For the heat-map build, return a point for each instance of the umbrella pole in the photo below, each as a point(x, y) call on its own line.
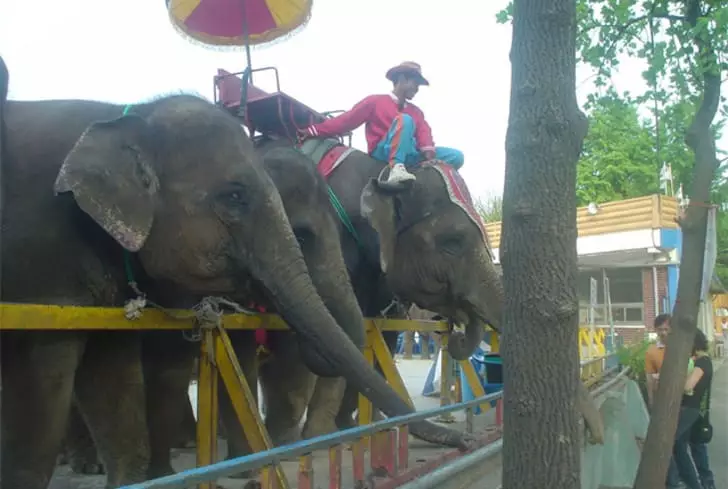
point(246, 39)
point(248, 73)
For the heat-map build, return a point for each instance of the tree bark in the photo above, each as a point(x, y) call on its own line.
point(661, 431)
point(538, 251)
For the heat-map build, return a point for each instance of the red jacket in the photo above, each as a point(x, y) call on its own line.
point(377, 112)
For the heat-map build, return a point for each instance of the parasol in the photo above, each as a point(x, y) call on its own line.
point(238, 22)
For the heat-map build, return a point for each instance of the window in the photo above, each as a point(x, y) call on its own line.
point(625, 290)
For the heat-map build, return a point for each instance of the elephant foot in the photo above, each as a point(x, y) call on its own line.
point(84, 467)
point(345, 422)
point(185, 444)
point(314, 428)
point(246, 474)
point(160, 470)
point(84, 462)
point(62, 459)
point(285, 436)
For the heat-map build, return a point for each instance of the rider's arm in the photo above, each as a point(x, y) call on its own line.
point(423, 134)
point(346, 122)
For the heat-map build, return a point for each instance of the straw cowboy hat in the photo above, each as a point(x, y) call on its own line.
point(407, 67)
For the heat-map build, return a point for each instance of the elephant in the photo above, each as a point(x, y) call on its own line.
point(306, 203)
point(416, 245)
point(168, 194)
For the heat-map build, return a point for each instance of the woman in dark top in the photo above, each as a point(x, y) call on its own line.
point(690, 460)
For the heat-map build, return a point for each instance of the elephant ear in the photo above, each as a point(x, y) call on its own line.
point(110, 173)
point(377, 207)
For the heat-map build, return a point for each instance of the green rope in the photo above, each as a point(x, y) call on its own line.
point(343, 216)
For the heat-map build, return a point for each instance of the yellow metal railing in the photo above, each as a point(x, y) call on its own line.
point(218, 359)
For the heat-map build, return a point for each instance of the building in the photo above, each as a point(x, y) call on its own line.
point(635, 244)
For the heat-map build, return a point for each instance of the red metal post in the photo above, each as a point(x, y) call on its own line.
point(499, 412)
point(403, 448)
point(357, 456)
point(335, 467)
point(305, 472)
point(390, 452)
point(376, 457)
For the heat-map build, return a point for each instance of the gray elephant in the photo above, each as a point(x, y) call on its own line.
point(177, 184)
point(417, 245)
point(306, 202)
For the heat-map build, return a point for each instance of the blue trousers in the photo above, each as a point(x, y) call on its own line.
point(699, 451)
point(682, 465)
point(400, 146)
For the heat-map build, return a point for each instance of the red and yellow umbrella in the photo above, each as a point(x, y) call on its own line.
point(238, 22)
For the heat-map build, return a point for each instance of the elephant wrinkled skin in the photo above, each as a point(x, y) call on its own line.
point(178, 184)
point(418, 246)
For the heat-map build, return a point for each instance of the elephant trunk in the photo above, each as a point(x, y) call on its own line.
point(462, 345)
point(281, 268)
point(331, 279)
point(484, 304)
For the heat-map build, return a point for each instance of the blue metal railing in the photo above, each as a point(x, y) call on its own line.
point(274, 456)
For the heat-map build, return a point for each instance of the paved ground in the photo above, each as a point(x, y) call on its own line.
point(414, 373)
point(486, 476)
point(718, 448)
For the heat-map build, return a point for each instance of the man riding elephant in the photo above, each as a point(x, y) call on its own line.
point(396, 130)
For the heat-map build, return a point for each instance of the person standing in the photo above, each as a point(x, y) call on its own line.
point(689, 462)
point(655, 354)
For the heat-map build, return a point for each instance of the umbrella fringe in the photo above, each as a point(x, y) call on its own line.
point(234, 46)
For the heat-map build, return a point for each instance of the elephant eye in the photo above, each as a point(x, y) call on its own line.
point(234, 197)
point(451, 244)
point(304, 235)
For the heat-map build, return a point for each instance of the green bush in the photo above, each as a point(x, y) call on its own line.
point(633, 356)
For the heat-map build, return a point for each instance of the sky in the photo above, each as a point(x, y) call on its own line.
point(127, 52)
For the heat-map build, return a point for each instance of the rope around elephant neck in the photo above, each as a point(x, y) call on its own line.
point(343, 216)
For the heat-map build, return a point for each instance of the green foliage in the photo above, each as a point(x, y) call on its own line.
point(679, 41)
point(490, 208)
point(618, 159)
point(633, 356)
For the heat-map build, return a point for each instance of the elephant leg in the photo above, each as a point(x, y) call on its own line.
point(37, 385)
point(287, 389)
point(80, 448)
point(592, 417)
point(109, 389)
point(324, 406)
point(238, 446)
point(168, 362)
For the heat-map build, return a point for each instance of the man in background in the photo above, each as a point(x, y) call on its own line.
point(655, 354)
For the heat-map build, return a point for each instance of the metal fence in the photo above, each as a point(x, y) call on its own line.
point(388, 448)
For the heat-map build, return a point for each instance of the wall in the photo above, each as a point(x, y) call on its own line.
point(648, 294)
point(631, 335)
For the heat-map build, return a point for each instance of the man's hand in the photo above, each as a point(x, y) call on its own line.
point(302, 135)
point(428, 155)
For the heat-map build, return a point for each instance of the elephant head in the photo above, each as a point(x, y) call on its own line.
point(435, 256)
point(316, 227)
point(178, 182)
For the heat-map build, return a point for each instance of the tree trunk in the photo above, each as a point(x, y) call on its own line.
point(538, 250)
point(663, 423)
